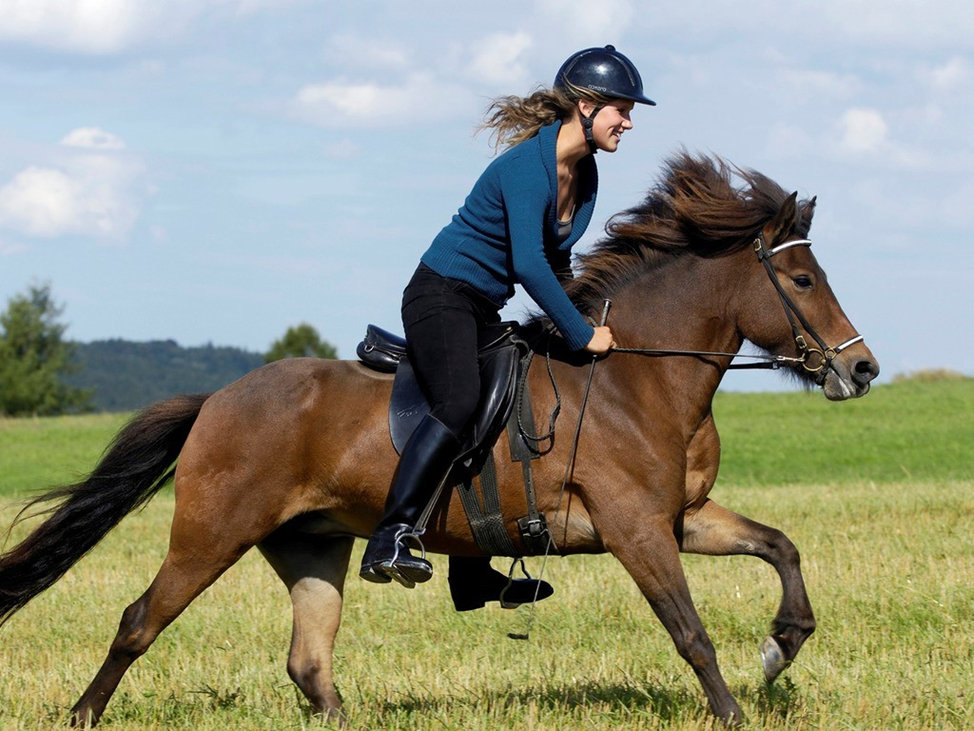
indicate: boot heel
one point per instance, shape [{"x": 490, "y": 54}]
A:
[{"x": 468, "y": 604}]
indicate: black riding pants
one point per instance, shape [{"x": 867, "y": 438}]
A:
[{"x": 441, "y": 318}]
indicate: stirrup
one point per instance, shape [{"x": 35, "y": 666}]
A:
[
  {"x": 510, "y": 582},
  {"x": 409, "y": 534},
  {"x": 391, "y": 566}
]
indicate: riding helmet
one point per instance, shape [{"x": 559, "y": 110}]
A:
[{"x": 604, "y": 70}]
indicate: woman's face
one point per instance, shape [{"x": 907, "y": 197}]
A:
[{"x": 609, "y": 124}]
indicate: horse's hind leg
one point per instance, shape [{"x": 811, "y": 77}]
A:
[
  {"x": 184, "y": 574},
  {"x": 716, "y": 531},
  {"x": 313, "y": 568}
]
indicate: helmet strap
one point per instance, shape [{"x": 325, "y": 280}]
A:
[{"x": 587, "y": 123}]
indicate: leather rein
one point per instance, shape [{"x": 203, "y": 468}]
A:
[{"x": 815, "y": 360}]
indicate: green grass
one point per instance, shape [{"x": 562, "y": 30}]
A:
[
  {"x": 914, "y": 430},
  {"x": 36, "y": 454},
  {"x": 887, "y": 549}
]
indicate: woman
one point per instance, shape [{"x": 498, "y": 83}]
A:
[{"x": 518, "y": 225}]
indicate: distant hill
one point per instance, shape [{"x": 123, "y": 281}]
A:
[{"x": 125, "y": 375}]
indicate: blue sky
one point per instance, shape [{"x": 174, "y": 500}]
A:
[{"x": 219, "y": 170}]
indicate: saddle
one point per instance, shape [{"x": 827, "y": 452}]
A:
[{"x": 501, "y": 352}]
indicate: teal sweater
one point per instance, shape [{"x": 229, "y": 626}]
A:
[{"x": 507, "y": 232}]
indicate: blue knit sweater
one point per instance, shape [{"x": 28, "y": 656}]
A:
[{"x": 507, "y": 229}]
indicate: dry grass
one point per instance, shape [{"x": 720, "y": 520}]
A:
[{"x": 890, "y": 571}]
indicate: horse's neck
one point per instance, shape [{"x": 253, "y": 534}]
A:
[{"x": 685, "y": 305}]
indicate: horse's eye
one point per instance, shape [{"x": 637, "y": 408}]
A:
[{"x": 803, "y": 281}]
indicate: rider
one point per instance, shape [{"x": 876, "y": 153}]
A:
[{"x": 518, "y": 224}]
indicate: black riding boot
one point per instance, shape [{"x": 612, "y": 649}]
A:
[
  {"x": 425, "y": 462},
  {"x": 473, "y": 583}
]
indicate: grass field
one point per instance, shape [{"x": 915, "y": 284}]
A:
[{"x": 877, "y": 494}]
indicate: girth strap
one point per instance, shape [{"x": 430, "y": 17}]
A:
[
  {"x": 485, "y": 513},
  {"x": 487, "y": 522},
  {"x": 533, "y": 526}
]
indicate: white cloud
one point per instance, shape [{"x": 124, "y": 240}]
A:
[
  {"x": 862, "y": 130},
  {"x": 40, "y": 202},
  {"x": 590, "y": 21},
  {"x": 85, "y": 26},
  {"x": 93, "y": 138},
  {"x": 92, "y": 189},
  {"x": 497, "y": 58},
  {"x": 105, "y": 27},
  {"x": 420, "y": 98}
]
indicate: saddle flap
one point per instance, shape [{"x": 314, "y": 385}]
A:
[{"x": 499, "y": 355}]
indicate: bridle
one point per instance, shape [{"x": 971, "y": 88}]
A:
[{"x": 815, "y": 360}]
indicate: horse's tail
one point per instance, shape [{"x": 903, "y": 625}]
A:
[{"x": 136, "y": 465}]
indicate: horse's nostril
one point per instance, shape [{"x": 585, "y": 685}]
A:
[{"x": 866, "y": 370}]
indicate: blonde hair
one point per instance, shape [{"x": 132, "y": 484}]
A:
[{"x": 514, "y": 119}]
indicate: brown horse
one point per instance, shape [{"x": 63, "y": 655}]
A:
[{"x": 295, "y": 458}]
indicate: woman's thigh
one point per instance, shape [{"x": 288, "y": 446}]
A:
[{"x": 442, "y": 321}]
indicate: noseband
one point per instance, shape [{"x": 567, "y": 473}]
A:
[{"x": 814, "y": 360}]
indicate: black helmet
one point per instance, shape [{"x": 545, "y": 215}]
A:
[{"x": 604, "y": 70}]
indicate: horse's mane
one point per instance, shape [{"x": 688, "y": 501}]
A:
[{"x": 701, "y": 205}]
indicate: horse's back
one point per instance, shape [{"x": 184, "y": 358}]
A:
[{"x": 294, "y": 436}]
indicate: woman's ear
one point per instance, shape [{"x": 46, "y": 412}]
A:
[{"x": 585, "y": 108}]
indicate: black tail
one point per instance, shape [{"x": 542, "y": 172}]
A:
[{"x": 137, "y": 464}]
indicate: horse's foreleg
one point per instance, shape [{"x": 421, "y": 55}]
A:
[
  {"x": 716, "y": 531},
  {"x": 313, "y": 568},
  {"x": 181, "y": 579},
  {"x": 647, "y": 547}
]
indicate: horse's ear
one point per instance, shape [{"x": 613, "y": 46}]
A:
[
  {"x": 783, "y": 223},
  {"x": 805, "y": 216}
]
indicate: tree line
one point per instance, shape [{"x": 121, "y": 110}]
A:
[{"x": 42, "y": 373}]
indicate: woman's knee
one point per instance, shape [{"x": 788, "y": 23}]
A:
[{"x": 457, "y": 412}]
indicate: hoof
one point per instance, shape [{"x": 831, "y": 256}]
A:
[{"x": 772, "y": 659}]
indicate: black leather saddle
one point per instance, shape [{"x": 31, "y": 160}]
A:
[{"x": 501, "y": 349}]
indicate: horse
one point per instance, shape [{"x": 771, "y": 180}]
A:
[{"x": 295, "y": 458}]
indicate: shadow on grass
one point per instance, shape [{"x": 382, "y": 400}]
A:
[{"x": 759, "y": 702}]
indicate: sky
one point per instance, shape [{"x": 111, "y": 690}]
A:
[{"x": 216, "y": 171}]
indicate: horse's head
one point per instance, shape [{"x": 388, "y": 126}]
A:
[
  {"x": 798, "y": 314},
  {"x": 707, "y": 262}
]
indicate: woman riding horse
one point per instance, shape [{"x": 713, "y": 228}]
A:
[{"x": 518, "y": 225}]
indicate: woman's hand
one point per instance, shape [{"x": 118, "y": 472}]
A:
[{"x": 602, "y": 342}]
